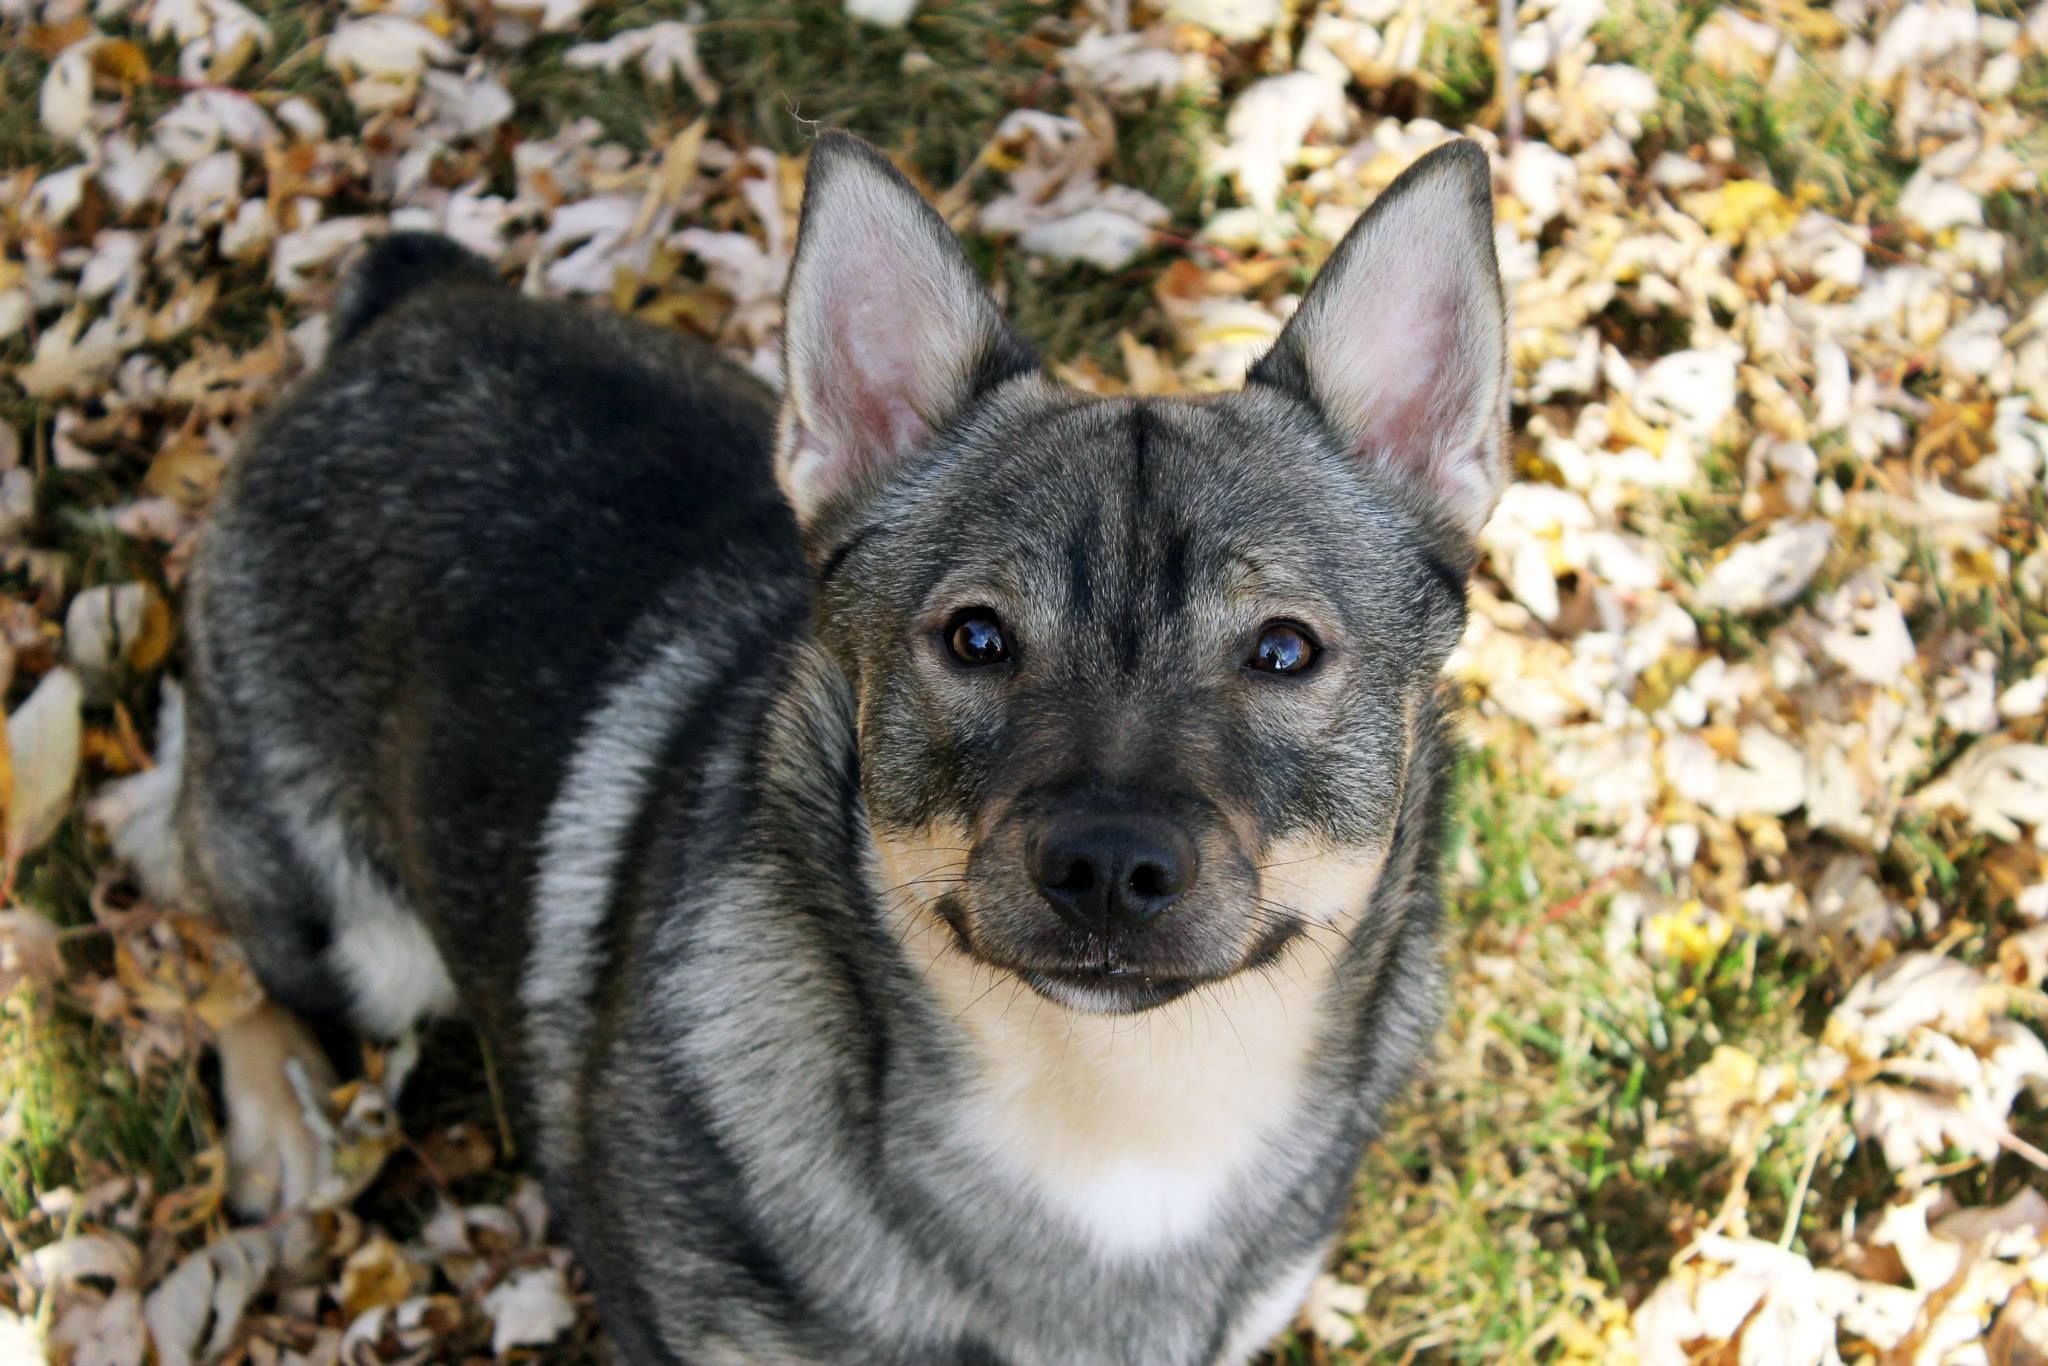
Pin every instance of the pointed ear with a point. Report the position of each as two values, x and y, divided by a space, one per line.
887 332
1401 342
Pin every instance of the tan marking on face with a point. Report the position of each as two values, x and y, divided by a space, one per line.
1192 1084
916 868
1325 885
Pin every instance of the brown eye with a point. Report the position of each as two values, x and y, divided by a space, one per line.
975 638
1283 648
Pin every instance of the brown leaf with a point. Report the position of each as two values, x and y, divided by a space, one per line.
186 471
47 40
182 963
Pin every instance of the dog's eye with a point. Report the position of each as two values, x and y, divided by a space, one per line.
975 638
1283 648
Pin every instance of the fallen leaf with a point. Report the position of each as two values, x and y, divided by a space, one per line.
43 741
378 1274
65 102
117 624
1758 576
1997 784
529 1308
663 52
194 1313
1333 1310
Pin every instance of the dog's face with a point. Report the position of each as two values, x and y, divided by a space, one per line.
1137 679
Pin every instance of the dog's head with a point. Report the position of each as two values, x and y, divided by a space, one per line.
1138 679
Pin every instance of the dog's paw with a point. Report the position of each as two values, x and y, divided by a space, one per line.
275 1154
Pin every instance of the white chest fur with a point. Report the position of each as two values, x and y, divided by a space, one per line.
1134 1127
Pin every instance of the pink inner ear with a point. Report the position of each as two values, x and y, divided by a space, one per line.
867 387
1398 376
1410 390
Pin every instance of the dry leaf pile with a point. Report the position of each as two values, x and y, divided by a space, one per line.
1766 609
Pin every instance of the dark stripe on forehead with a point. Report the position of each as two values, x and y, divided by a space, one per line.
1173 573
845 548
1080 577
1130 636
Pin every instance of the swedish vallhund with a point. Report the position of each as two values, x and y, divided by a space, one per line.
948 864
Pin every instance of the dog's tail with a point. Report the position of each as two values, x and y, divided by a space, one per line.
397 266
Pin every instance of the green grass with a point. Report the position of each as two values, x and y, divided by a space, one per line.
1811 133
23 144
82 1115
1533 1182
1459 70
929 92
1465 1226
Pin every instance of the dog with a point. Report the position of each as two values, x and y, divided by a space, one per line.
947 864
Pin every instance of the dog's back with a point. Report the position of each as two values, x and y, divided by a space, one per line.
417 579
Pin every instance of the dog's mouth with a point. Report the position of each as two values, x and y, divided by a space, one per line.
1118 984
1108 990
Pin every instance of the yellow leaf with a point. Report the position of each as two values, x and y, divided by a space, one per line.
184 310
1632 430
699 308
1665 676
185 471
229 61
194 967
195 1205
1147 371
121 62
1691 935
1741 206
376 1274
154 641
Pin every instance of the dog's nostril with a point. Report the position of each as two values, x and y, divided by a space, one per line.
1150 880
1079 876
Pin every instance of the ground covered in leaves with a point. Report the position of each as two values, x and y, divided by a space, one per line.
1747 1059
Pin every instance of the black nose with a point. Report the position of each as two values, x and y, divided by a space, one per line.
1112 873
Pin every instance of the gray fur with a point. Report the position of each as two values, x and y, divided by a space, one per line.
503 628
